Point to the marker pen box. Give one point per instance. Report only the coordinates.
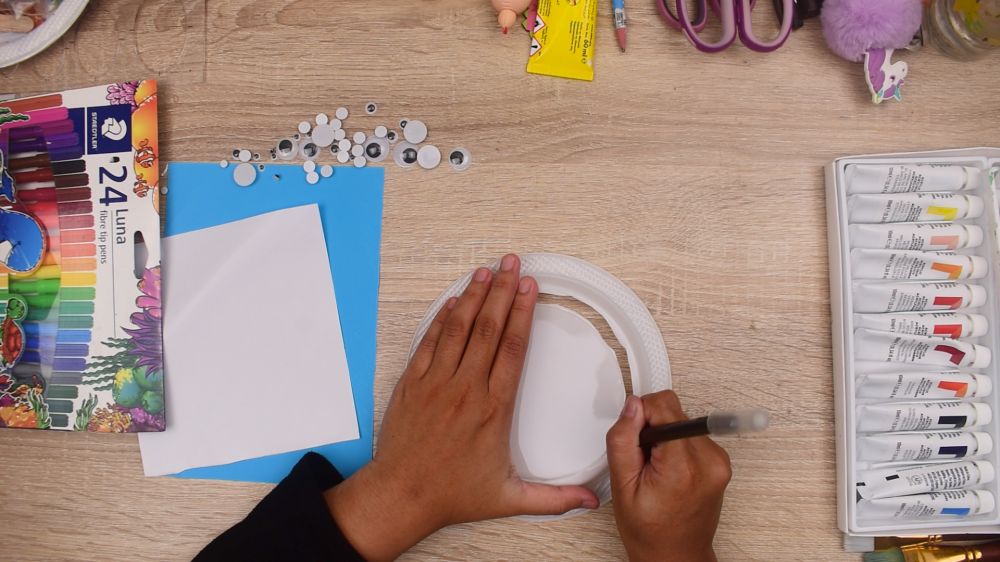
(961, 202)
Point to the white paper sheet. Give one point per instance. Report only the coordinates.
(254, 357)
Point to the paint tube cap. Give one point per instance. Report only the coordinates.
(980, 325)
(975, 236)
(984, 443)
(987, 503)
(978, 296)
(973, 177)
(984, 415)
(975, 207)
(986, 471)
(984, 386)
(980, 267)
(983, 357)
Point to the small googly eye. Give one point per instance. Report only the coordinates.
(223, 163)
(334, 148)
(342, 113)
(322, 119)
(460, 159)
(260, 167)
(236, 153)
(256, 156)
(304, 127)
(402, 123)
(392, 136)
(371, 107)
(274, 154)
(297, 136)
(287, 148)
(310, 151)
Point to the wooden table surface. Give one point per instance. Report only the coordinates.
(694, 178)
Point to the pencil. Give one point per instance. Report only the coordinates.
(716, 423)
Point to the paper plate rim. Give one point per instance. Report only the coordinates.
(56, 26)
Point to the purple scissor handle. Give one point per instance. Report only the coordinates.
(735, 16)
(700, 18)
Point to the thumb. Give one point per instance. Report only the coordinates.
(625, 457)
(543, 499)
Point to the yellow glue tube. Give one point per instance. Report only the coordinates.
(562, 41)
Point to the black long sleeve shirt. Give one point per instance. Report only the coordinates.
(292, 522)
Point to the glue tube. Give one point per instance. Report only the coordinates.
(870, 345)
(562, 40)
(941, 324)
(913, 207)
(953, 384)
(908, 480)
(925, 446)
(938, 505)
(919, 416)
(916, 297)
(908, 265)
(929, 236)
(904, 178)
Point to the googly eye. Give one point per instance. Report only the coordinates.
(381, 131)
(312, 178)
(287, 149)
(322, 119)
(404, 154)
(392, 136)
(244, 174)
(236, 153)
(415, 132)
(309, 151)
(403, 122)
(428, 157)
(371, 107)
(345, 145)
(296, 136)
(343, 157)
(334, 148)
(377, 149)
(326, 171)
(340, 134)
(309, 166)
(337, 124)
(244, 155)
(324, 135)
(357, 150)
(256, 156)
(274, 154)
(260, 167)
(304, 127)
(223, 163)
(360, 162)
(460, 159)
(342, 113)
(360, 137)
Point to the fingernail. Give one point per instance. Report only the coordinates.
(590, 503)
(507, 263)
(631, 407)
(482, 274)
(451, 303)
(524, 287)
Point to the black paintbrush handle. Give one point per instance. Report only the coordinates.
(654, 434)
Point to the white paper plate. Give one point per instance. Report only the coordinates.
(17, 47)
(635, 329)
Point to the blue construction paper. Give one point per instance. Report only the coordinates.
(350, 205)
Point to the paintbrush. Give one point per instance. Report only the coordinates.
(716, 423)
(989, 552)
(869, 544)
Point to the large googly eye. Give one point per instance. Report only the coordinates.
(404, 154)
(428, 157)
(309, 150)
(376, 149)
(415, 132)
(460, 159)
(287, 149)
(244, 174)
(324, 135)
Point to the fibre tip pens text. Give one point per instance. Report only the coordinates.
(117, 233)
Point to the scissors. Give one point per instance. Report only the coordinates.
(735, 16)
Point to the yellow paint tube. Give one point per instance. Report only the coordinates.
(562, 41)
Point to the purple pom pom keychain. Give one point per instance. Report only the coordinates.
(870, 31)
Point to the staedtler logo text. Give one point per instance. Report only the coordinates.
(108, 129)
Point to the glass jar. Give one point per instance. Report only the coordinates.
(963, 29)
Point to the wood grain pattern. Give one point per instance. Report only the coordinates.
(694, 178)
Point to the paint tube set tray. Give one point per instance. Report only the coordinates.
(845, 366)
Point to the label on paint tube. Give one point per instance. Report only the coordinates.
(906, 178)
(938, 505)
(908, 480)
(913, 207)
(905, 265)
(929, 236)
(870, 345)
(918, 416)
(925, 446)
(932, 324)
(924, 386)
(911, 297)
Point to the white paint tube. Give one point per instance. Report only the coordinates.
(925, 446)
(912, 297)
(940, 324)
(913, 207)
(909, 480)
(870, 345)
(904, 178)
(914, 265)
(921, 386)
(928, 236)
(941, 506)
(920, 416)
